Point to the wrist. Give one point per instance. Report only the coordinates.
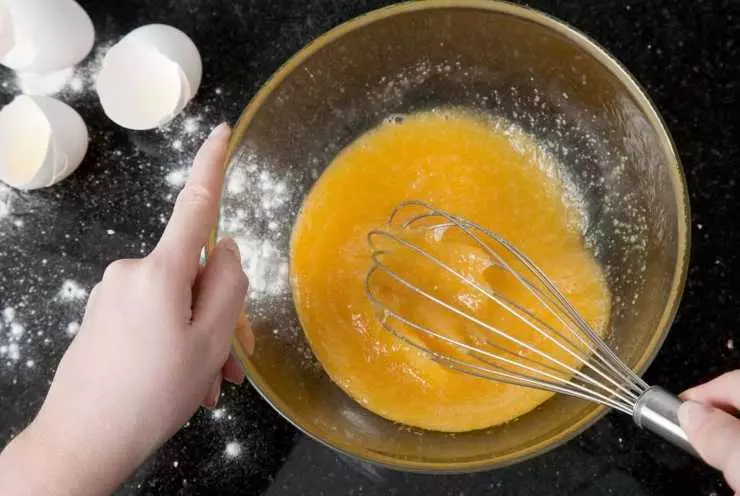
(22, 467)
(52, 457)
(30, 464)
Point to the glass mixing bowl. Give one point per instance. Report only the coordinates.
(496, 58)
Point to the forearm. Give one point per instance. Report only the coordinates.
(38, 462)
(150, 350)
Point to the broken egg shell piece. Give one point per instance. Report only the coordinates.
(138, 86)
(7, 36)
(176, 46)
(42, 141)
(149, 77)
(185, 93)
(44, 35)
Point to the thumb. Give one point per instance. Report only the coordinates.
(716, 436)
(219, 294)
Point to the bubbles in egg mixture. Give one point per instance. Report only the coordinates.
(394, 119)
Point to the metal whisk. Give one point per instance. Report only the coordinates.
(585, 367)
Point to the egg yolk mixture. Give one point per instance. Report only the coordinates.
(467, 165)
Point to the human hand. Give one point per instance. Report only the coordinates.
(707, 418)
(153, 345)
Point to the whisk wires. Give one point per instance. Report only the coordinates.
(585, 367)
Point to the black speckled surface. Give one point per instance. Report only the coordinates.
(686, 55)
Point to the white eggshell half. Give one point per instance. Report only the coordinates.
(176, 46)
(139, 87)
(44, 35)
(7, 36)
(149, 77)
(42, 141)
(185, 92)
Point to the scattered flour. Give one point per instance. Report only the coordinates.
(14, 352)
(185, 134)
(20, 344)
(76, 84)
(17, 330)
(71, 291)
(44, 84)
(237, 182)
(265, 264)
(178, 177)
(5, 193)
(9, 315)
(730, 344)
(11, 334)
(219, 413)
(73, 328)
(191, 125)
(257, 214)
(233, 450)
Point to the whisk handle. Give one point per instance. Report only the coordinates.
(657, 411)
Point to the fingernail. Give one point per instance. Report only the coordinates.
(250, 346)
(691, 414)
(240, 380)
(215, 393)
(219, 130)
(244, 334)
(237, 382)
(230, 244)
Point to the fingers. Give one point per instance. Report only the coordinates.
(722, 392)
(232, 371)
(219, 300)
(715, 433)
(716, 436)
(219, 295)
(244, 333)
(196, 209)
(214, 393)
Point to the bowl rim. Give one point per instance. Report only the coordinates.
(645, 104)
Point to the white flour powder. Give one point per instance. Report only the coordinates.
(44, 84)
(257, 214)
(11, 334)
(4, 201)
(233, 450)
(72, 328)
(178, 177)
(71, 291)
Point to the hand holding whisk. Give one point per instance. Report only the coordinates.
(575, 361)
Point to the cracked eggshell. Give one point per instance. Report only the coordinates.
(42, 141)
(176, 46)
(149, 77)
(7, 34)
(43, 35)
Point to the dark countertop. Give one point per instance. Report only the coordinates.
(54, 245)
